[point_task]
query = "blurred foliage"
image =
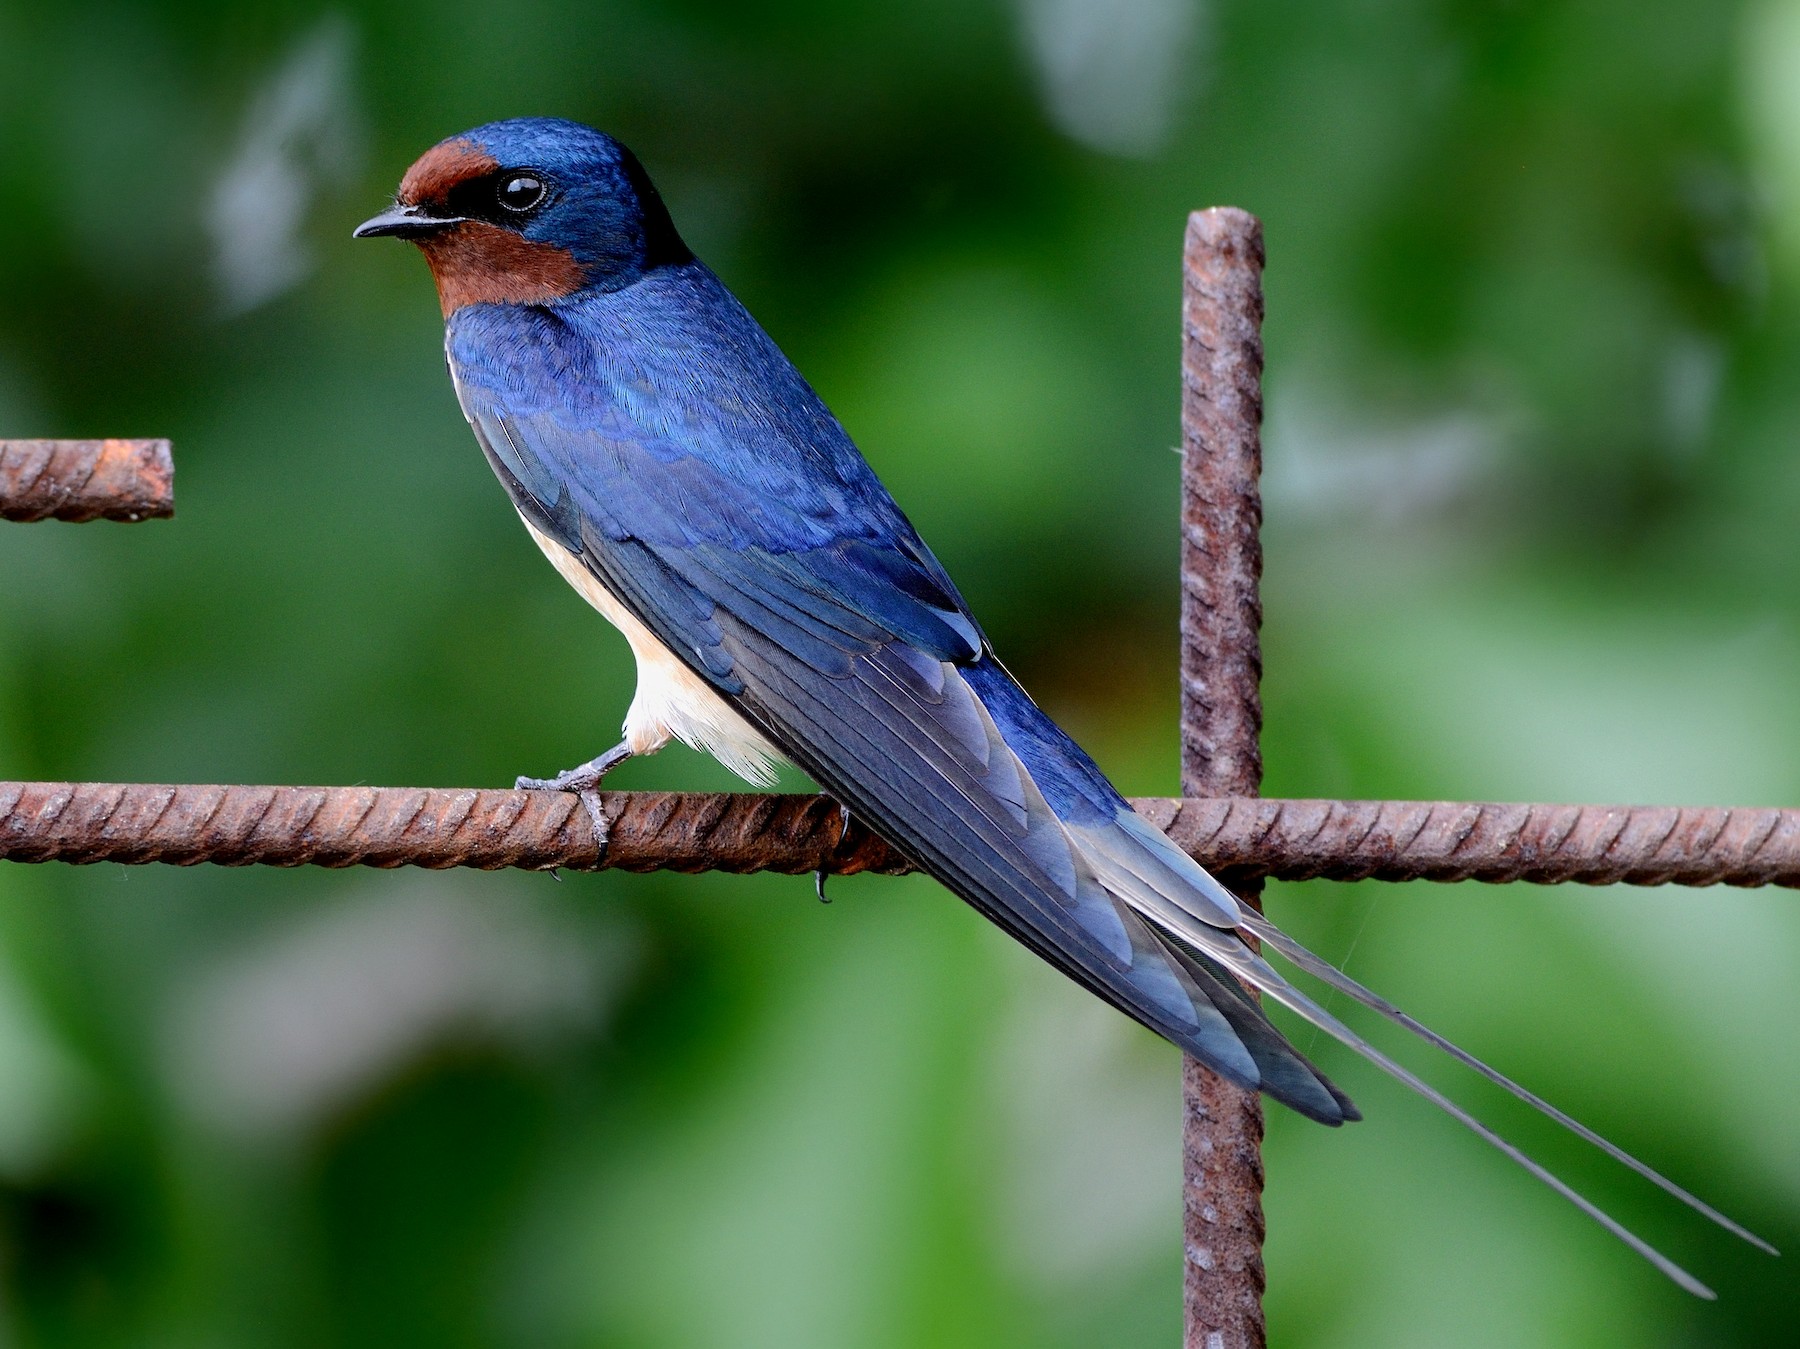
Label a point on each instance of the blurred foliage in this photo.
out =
(1532, 483)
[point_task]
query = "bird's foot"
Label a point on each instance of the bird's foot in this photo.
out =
(843, 833)
(584, 780)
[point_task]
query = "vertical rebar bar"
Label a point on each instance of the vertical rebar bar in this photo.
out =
(1221, 718)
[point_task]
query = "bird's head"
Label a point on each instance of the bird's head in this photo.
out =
(529, 211)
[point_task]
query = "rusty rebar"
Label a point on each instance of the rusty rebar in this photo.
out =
(81, 480)
(1243, 837)
(427, 827)
(1299, 840)
(1221, 720)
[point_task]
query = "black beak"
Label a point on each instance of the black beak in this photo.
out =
(405, 222)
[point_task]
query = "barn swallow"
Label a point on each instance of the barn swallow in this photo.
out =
(679, 472)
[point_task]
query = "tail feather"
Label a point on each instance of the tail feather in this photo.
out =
(1343, 983)
(1297, 1001)
(1180, 901)
(1286, 1076)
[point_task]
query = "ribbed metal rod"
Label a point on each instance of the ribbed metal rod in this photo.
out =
(426, 827)
(1298, 840)
(1242, 837)
(81, 480)
(1221, 719)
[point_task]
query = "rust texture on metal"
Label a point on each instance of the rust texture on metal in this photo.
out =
(427, 827)
(80, 480)
(1298, 840)
(740, 832)
(1221, 721)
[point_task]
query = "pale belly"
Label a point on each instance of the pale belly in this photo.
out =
(671, 700)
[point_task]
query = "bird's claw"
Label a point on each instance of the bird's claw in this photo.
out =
(597, 813)
(582, 778)
(843, 833)
(585, 782)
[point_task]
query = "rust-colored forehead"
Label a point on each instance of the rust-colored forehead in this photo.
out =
(441, 168)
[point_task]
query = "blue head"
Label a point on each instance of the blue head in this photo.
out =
(528, 211)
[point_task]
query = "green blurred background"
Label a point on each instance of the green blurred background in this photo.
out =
(1533, 422)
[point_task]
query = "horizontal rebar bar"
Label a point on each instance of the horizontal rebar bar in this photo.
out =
(86, 480)
(684, 831)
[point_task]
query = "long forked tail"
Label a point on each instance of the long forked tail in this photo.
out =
(1182, 913)
(1330, 974)
(1205, 930)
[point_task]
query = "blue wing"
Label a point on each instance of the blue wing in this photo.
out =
(730, 512)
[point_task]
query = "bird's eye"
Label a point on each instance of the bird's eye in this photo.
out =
(520, 191)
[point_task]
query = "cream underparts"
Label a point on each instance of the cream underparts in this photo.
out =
(671, 700)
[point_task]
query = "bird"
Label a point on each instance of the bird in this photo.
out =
(681, 474)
